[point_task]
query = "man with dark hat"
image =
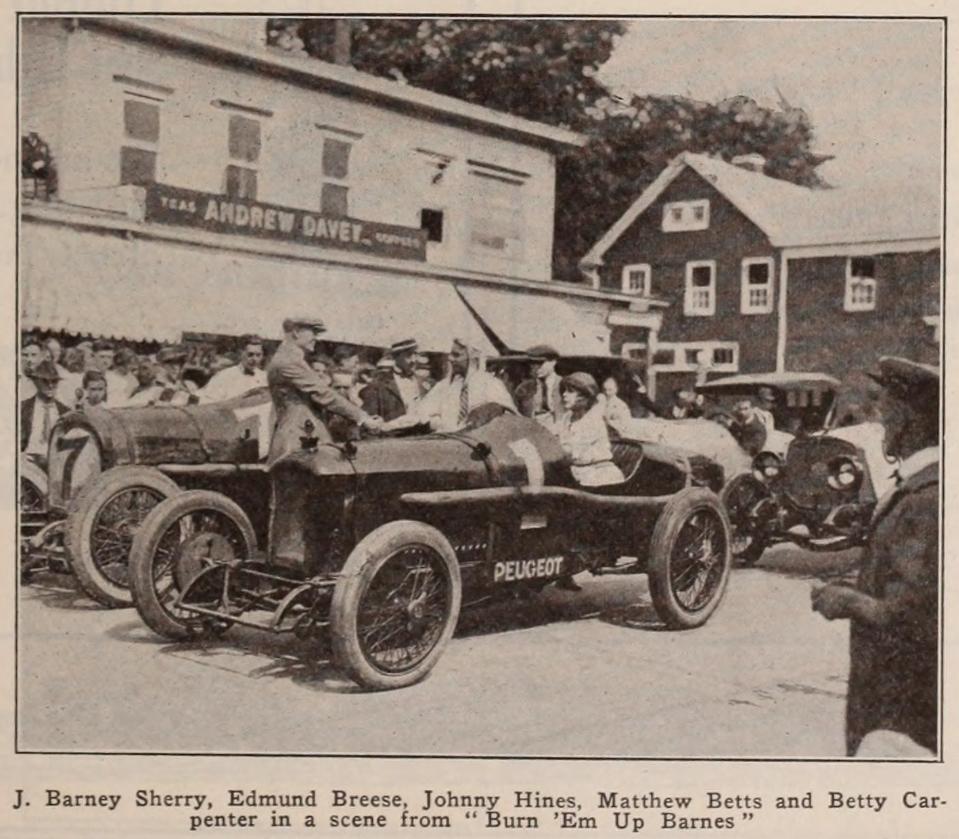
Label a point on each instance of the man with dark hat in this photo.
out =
(169, 387)
(40, 412)
(539, 396)
(300, 393)
(395, 390)
(894, 607)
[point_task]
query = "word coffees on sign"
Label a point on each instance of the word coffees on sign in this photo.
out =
(235, 216)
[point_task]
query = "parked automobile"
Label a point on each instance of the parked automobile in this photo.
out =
(107, 468)
(815, 487)
(379, 543)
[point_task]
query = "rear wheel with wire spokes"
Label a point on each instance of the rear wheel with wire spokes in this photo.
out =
(396, 605)
(689, 559)
(181, 537)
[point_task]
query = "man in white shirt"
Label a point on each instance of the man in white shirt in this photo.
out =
(547, 401)
(40, 412)
(448, 405)
(118, 386)
(240, 378)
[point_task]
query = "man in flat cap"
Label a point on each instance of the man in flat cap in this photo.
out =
(539, 396)
(300, 393)
(894, 607)
(40, 412)
(169, 387)
(395, 390)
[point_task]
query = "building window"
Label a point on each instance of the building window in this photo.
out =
(757, 286)
(496, 217)
(637, 279)
(697, 357)
(700, 297)
(860, 284)
(240, 180)
(141, 139)
(335, 189)
(432, 222)
(685, 215)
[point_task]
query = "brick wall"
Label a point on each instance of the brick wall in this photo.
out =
(821, 335)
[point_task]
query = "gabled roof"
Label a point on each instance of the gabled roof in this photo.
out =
(794, 216)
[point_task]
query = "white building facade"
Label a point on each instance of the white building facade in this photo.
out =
(191, 152)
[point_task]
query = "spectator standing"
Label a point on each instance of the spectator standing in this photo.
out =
(615, 411)
(40, 412)
(117, 385)
(70, 388)
(94, 390)
(686, 404)
(547, 400)
(240, 378)
(31, 354)
(640, 405)
(423, 372)
(395, 390)
(748, 427)
(894, 607)
(168, 386)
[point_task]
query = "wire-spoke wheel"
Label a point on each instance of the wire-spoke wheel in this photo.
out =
(101, 523)
(396, 605)
(181, 537)
(739, 497)
(689, 559)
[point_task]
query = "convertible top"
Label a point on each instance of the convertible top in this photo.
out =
(782, 381)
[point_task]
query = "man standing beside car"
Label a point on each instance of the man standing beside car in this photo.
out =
(299, 393)
(894, 607)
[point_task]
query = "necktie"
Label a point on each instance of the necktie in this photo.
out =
(543, 396)
(45, 429)
(464, 403)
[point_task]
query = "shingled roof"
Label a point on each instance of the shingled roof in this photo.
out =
(794, 216)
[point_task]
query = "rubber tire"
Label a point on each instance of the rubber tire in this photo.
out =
(757, 547)
(82, 513)
(145, 544)
(671, 519)
(358, 570)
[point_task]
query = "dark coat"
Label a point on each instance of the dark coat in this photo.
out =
(27, 407)
(893, 674)
(751, 435)
(299, 394)
(381, 397)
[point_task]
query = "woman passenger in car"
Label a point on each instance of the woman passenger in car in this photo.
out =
(582, 432)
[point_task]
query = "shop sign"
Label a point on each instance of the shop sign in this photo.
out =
(237, 216)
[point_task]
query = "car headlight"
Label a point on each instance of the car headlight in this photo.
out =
(845, 474)
(767, 467)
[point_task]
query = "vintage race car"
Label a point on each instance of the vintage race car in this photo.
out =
(106, 469)
(819, 490)
(380, 542)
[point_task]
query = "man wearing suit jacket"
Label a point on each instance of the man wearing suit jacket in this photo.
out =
(893, 689)
(300, 393)
(395, 389)
(40, 412)
(539, 397)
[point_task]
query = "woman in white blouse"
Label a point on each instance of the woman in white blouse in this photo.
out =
(582, 432)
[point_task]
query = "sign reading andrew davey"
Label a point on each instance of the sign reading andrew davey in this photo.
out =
(220, 214)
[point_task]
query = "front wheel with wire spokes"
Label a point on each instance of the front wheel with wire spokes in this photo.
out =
(395, 606)
(181, 537)
(101, 522)
(689, 559)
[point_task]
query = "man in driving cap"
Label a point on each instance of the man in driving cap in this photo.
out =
(40, 412)
(395, 390)
(894, 607)
(539, 396)
(300, 393)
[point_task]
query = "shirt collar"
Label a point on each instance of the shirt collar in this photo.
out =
(918, 461)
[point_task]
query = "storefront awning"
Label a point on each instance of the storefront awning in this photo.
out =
(147, 290)
(521, 321)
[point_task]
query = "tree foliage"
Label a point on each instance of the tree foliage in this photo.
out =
(546, 70)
